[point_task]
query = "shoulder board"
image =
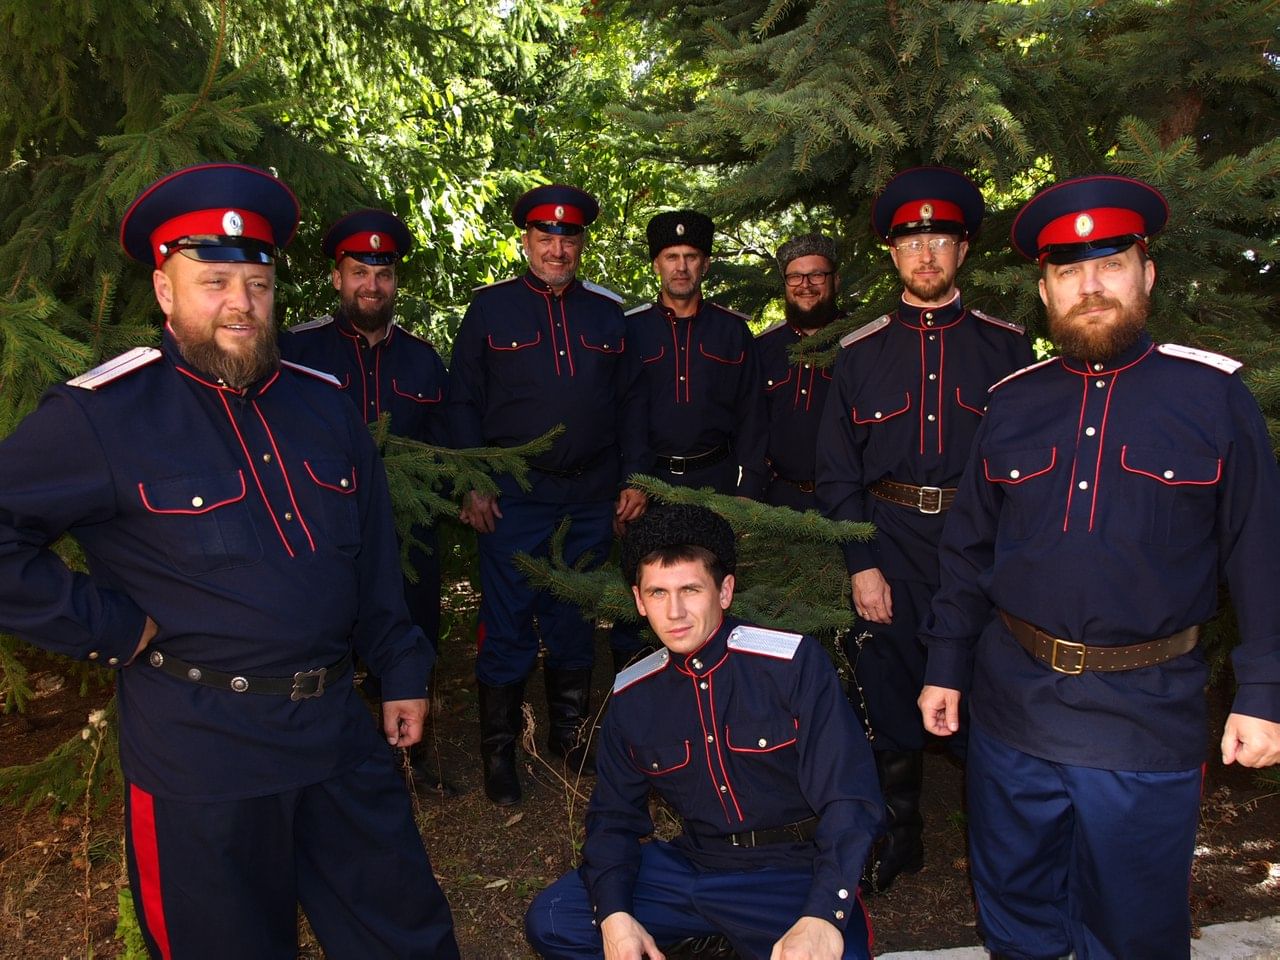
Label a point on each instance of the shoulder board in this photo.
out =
(768, 643)
(115, 368)
(1017, 373)
(1208, 358)
(997, 322)
(634, 310)
(770, 329)
(641, 669)
(496, 283)
(866, 330)
(318, 374)
(311, 324)
(746, 318)
(602, 291)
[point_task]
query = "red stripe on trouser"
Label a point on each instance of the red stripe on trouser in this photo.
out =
(146, 857)
(480, 636)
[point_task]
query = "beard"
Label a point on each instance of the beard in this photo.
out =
(928, 290)
(236, 369)
(1097, 343)
(365, 319)
(810, 318)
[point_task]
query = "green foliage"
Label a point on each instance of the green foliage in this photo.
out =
(128, 932)
(63, 776)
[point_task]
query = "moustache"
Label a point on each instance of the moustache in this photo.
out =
(1093, 301)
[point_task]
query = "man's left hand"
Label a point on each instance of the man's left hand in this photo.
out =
(1251, 741)
(810, 938)
(403, 720)
(631, 505)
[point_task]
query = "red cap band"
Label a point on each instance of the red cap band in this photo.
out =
(368, 241)
(555, 213)
(925, 209)
(1096, 224)
(221, 222)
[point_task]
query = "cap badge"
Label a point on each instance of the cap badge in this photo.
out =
(375, 241)
(1084, 225)
(679, 229)
(926, 211)
(232, 224)
(559, 213)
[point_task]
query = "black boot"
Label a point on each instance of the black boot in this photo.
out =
(500, 723)
(569, 710)
(425, 770)
(901, 848)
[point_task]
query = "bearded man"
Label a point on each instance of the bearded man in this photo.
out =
(234, 516)
(909, 393)
(795, 392)
(1112, 488)
(383, 368)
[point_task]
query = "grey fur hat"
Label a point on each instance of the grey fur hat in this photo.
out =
(807, 245)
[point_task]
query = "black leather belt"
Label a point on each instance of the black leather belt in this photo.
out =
(804, 486)
(571, 472)
(1071, 658)
(301, 686)
(926, 500)
(799, 832)
(682, 465)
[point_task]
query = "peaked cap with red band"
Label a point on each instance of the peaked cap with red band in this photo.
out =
(212, 211)
(928, 200)
(1088, 217)
(371, 236)
(556, 208)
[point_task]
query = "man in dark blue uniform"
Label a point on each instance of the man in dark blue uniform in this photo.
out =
(795, 392)
(747, 734)
(537, 351)
(910, 391)
(383, 369)
(1111, 489)
(699, 375)
(213, 489)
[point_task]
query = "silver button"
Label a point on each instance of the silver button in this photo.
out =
(703, 685)
(197, 501)
(762, 742)
(803, 392)
(344, 483)
(682, 379)
(1014, 474)
(933, 336)
(288, 516)
(514, 344)
(654, 765)
(839, 914)
(266, 458)
(93, 654)
(1168, 474)
(931, 418)
(114, 662)
(842, 893)
(1089, 431)
(769, 383)
(194, 674)
(723, 788)
(1097, 366)
(710, 738)
(878, 414)
(156, 658)
(697, 664)
(562, 353)
(928, 323)
(606, 346)
(933, 376)
(929, 315)
(1083, 484)
(1100, 383)
(239, 684)
(806, 366)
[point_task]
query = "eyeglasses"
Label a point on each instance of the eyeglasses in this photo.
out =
(817, 278)
(916, 246)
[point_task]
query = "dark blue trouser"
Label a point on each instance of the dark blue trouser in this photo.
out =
(218, 880)
(673, 901)
(1070, 858)
(509, 645)
(423, 597)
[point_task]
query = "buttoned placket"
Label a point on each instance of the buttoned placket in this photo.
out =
(932, 343)
(681, 353)
(701, 675)
(558, 323)
(1098, 383)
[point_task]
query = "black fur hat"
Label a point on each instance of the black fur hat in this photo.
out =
(677, 525)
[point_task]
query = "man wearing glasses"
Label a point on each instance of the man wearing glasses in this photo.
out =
(909, 391)
(794, 393)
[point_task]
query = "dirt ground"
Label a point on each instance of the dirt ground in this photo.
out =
(59, 880)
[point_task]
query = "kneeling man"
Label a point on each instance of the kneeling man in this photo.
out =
(746, 733)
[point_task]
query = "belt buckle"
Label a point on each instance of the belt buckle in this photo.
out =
(677, 471)
(937, 503)
(300, 678)
(1078, 649)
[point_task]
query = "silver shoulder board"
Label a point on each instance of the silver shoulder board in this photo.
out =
(634, 310)
(603, 291)
(1207, 357)
(115, 368)
(311, 324)
(866, 330)
(641, 669)
(772, 327)
(319, 374)
(769, 643)
(496, 283)
(1017, 373)
(737, 313)
(997, 322)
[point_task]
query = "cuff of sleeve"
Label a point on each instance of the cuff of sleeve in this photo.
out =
(860, 555)
(752, 485)
(611, 896)
(407, 678)
(120, 633)
(948, 667)
(837, 916)
(1261, 700)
